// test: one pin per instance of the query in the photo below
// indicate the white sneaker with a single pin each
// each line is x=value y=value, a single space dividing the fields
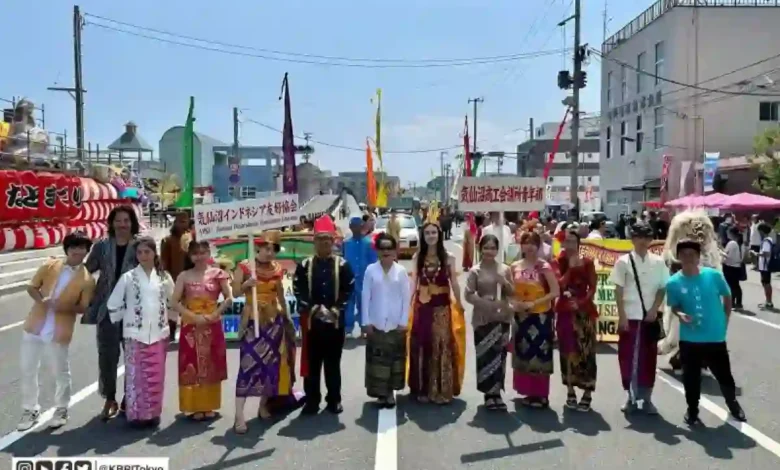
x=60 y=418
x=29 y=419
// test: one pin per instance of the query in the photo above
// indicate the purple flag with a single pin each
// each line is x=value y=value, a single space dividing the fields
x=290 y=181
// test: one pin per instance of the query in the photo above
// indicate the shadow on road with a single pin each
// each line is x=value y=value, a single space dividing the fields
x=511 y=451
x=307 y=428
x=716 y=442
x=428 y=416
x=369 y=417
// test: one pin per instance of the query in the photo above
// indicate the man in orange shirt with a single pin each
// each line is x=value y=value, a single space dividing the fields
x=61 y=289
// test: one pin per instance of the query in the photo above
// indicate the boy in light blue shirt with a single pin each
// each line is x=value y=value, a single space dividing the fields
x=701 y=298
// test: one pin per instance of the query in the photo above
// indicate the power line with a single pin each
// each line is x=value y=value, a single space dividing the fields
x=204 y=46
x=675 y=82
x=292 y=54
x=356 y=149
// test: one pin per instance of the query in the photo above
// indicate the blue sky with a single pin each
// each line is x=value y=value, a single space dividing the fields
x=149 y=82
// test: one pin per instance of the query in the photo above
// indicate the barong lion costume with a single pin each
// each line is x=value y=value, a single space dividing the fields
x=695 y=225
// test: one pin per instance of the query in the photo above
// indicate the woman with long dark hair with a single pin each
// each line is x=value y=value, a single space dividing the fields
x=437 y=337
x=490 y=318
x=140 y=302
x=202 y=348
x=112 y=257
x=576 y=322
x=536 y=286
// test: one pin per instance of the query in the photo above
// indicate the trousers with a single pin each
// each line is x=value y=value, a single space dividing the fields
x=716 y=356
x=326 y=343
x=33 y=350
x=110 y=346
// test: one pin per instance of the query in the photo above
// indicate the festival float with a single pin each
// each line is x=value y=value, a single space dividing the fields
x=41 y=201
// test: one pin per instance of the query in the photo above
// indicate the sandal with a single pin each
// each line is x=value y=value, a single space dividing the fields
x=571 y=401
x=198 y=416
x=264 y=414
x=240 y=428
x=209 y=415
x=584 y=405
x=490 y=403
x=498 y=404
x=527 y=401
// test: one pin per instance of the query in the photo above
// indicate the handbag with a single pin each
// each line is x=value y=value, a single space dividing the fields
x=655 y=330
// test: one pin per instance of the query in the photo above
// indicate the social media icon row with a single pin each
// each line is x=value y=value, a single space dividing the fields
x=54 y=464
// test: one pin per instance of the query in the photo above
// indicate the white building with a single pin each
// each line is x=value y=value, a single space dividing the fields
x=708 y=46
x=534 y=154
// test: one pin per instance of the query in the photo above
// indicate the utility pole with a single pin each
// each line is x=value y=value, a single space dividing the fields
x=441 y=164
x=307 y=149
x=476 y=101
x=77 y=92
x=234 y=161
x=235 y=133
x=575 y=121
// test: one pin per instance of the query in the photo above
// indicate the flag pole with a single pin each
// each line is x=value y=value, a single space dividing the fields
x=253 y=271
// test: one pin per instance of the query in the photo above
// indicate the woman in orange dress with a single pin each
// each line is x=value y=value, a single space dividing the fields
x=202 y=348
x=536 y=286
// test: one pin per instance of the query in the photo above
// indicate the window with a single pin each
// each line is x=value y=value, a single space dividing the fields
x=658 y=130
x=768 y=111
x=640 y=68
x=623 y=129
x=659 y=62
x=640 y=135
x=248 y=192
x=623 y=83
x=609 y=142
x=232 y=191
x=609 y=89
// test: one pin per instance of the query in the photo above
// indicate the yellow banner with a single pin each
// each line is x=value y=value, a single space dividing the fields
x=605 y=253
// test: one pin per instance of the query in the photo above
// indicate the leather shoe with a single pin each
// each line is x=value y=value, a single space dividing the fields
x=335 y=408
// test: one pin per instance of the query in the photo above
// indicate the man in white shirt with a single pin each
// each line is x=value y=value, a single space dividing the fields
x=640 y=286
x=598 y=229
x=499 y=230
x=387 y=297
x=767 y=247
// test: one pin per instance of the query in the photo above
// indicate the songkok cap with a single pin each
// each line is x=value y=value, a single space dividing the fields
x=641 y=230
x=324 y=226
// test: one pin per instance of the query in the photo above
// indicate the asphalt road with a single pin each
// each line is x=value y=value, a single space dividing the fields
x=414 y=437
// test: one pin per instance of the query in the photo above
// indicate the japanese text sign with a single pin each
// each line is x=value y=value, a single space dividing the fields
x=244 y=217
x=478 y=194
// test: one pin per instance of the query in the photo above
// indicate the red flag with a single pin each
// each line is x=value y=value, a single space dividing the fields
x=466 y=150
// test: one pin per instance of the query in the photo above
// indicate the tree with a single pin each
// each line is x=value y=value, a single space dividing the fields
x=766 y=147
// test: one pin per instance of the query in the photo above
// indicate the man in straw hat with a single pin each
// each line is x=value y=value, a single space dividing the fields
x=323 y=285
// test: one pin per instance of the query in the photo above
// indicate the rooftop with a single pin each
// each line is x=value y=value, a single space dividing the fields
x=661 y=7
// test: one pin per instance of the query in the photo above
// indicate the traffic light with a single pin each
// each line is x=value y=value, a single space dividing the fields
x=564 y=80
x=582 y=79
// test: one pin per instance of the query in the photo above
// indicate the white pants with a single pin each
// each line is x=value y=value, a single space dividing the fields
x=34 y=348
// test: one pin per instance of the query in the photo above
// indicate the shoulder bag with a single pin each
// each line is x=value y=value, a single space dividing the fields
x=653 y=331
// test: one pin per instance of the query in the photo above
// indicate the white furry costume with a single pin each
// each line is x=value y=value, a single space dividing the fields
x=694 y=225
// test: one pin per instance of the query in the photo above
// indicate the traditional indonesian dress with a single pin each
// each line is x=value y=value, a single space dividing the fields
x=202 y=348
x=533 y=333
x=267 y=362
x=437 y=337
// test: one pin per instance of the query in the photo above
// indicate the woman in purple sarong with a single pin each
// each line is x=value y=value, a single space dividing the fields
x=267 y=362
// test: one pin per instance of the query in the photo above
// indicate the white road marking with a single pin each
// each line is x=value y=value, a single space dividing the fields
x=386 y=457
x=12 y=437
x=760 y=321
x=760 y=438
x=10 y=326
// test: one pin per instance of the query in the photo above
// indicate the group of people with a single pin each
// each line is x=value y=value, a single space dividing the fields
x=414 y=323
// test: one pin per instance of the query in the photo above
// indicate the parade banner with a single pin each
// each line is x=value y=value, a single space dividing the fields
x=244 y=217
x=500 y=194
x=604 y=254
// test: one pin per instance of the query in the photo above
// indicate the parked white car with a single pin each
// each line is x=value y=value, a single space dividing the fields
x=410 y=233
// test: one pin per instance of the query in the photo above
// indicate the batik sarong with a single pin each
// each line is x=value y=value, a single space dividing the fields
x=385 y=363
x=490 y=342
x=533 y=354
x=267 y=362
x=638 y=357
x=577 y=346
x=144 y=379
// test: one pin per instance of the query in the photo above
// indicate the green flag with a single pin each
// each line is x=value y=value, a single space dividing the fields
x=186 y=200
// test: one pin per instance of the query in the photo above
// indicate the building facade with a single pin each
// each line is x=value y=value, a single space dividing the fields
x=707 y=50
x=171 y=151
x=532 y=157
x=356 y=182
